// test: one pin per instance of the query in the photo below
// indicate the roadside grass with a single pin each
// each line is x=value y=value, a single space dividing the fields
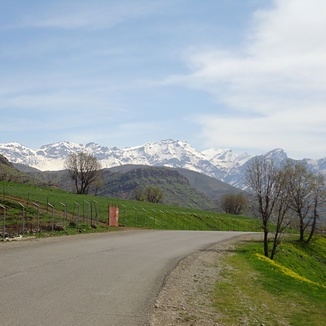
x=288 y=291
x=69 y=230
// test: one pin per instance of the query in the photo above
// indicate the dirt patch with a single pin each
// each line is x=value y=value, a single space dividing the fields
x=186 y=297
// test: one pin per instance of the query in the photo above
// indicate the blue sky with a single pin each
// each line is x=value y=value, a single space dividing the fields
x=249 y=75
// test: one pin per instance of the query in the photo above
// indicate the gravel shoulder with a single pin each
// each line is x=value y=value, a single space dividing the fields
x=186 y=296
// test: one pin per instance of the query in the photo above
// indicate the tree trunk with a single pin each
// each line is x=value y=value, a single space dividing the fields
x=302 y=228
x=313 y=228
x=266 y=243
x=314 y=217
x=275 y=244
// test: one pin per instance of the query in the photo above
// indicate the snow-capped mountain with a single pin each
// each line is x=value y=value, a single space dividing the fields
x=222 y=164
x=235 y=175
x=172 y=153
x=225 y=159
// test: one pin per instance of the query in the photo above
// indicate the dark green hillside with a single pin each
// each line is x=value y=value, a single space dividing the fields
x=211 y=187
x=58 y=179
x=176 y=188
x=9 y=173
x=126 y=168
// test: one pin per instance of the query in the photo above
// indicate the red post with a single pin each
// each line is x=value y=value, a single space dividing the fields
x=113 y=215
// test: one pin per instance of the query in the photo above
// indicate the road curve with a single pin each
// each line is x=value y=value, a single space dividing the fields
x=103 y=279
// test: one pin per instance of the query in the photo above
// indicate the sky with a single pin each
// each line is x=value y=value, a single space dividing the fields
x=249 y=75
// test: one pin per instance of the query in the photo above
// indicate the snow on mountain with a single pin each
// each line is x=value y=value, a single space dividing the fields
x=317 y=165
x=277 y=154
x=225 y=159
x=51 y=157
x=222 y=164
x=167 y=152
x=235 y=175
x=61 y=149
x=16 y=152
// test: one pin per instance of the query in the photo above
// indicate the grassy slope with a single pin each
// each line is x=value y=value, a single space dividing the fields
x=288 y=291
x=132 y=213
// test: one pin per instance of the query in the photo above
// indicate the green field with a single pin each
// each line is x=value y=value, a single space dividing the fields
x=290 y=290
x=32 y=208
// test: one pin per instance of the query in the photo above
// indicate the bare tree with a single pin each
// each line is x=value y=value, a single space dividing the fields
x=281 y=215
x=306 y=194
x=318 y=202
x=300 y=189
x=284 y=194
x=234 y=203
x=83 y=169
x=261 y=177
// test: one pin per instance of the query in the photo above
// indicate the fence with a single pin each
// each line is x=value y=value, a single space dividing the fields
x=30 y=217
x=21 y=217
x=24 y=209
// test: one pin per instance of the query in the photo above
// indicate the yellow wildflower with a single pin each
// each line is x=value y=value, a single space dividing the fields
x=288 y=271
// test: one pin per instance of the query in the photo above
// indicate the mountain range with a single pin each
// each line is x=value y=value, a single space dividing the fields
x=222 y=164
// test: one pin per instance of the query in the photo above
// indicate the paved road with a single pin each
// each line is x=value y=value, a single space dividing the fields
x=104 y=279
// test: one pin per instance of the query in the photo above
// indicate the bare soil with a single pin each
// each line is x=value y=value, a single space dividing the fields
x=186 y=298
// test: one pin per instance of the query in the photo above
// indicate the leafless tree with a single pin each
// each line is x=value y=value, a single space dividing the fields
x=318 y=202
x=282 y=217
x=261 y=177
x=284 y=194
x=300 y=189
x=307 y=195
x=83 y=169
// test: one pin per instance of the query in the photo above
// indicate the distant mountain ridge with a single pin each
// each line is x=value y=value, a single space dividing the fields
x=222 y=164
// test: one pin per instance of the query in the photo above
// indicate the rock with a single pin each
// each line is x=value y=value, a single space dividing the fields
x=58 y=228
x=72 y=224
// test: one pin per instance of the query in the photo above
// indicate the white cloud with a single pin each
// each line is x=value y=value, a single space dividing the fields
x=278 y=77
x=297 y=131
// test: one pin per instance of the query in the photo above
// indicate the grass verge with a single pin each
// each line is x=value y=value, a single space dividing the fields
x=291 y=290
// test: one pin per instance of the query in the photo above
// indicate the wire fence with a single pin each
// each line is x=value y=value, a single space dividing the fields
x=22 y=217
x=34 y=210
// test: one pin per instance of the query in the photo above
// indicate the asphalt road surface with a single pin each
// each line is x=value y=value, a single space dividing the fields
x=102 y=279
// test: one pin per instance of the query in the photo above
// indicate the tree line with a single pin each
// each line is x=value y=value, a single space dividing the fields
x=284 y=195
